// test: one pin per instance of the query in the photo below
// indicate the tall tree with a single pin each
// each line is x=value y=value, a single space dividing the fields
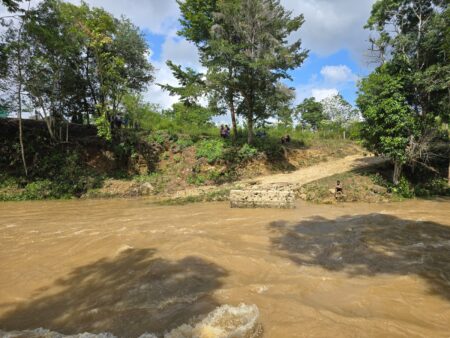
x=411 y=36
x=244 y=45
x=390 y=122
x=81 y=61
x=264 y=57
x=311 y=112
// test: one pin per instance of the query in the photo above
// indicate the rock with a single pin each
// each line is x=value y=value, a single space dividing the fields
x=257 y=196
x=377 y=189
x=146 y=188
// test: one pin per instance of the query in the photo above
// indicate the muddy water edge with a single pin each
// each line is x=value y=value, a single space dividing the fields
x=128 y=267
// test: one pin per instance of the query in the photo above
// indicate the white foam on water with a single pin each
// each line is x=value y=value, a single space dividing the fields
x=224 y=322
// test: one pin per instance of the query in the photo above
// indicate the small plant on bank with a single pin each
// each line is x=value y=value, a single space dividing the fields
x=184 y=142
x=211 y=150
x=247 y=152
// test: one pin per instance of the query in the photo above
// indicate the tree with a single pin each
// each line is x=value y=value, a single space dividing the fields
x=12 y=5
x=264 y=55
x=412 y=36
x=212 y=31
x=13 y=64
x=243 y=43
x=339 y=111
x=192 y=85
x=81 y=61
x=389 y=121
x=311 y=112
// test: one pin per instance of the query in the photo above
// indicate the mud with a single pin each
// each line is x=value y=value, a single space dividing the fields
x=128 y=268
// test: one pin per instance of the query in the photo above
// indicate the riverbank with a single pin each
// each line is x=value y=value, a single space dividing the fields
x=177 y=169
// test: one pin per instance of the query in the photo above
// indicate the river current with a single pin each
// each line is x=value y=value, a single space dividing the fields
x=130 y=268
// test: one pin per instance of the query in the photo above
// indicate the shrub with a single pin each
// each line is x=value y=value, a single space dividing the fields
x=39 y=190
x=403 y=189
x=184 y=142
x=247 y=152
x=212 y=150
x=437 y=186
x=197 y=179
x=161 y=137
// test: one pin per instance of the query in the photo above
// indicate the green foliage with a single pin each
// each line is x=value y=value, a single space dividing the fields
x=211 y=150
x=103 y=127
x=433 y=187
x=247 y=152
x=39 y=190
x=415 y=69
x=184 y=141
x=78 y=62
x=311 y=112
x=12 y=5
x=403 y=188
x=197 y=179
x=192 y=86
x=244 y=45
x=159 y=136
x=389 y=120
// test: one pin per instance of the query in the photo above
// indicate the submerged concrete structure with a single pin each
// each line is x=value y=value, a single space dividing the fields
x=278 y=195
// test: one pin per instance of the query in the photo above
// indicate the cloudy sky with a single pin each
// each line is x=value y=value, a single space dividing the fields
x=333 y=32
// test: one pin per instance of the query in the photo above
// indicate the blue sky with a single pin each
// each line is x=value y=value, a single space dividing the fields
x=333 y=32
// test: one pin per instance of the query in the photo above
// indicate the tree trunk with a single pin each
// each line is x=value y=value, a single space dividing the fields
x=233 y=119
x=19 y=97
x=249 y=128
x=397 y=172
x=448 y=177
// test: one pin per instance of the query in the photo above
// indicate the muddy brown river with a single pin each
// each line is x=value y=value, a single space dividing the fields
x=129 y=267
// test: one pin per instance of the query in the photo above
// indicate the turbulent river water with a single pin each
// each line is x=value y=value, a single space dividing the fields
x=129 y=267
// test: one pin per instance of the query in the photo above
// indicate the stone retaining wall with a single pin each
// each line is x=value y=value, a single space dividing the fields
x=273 y=196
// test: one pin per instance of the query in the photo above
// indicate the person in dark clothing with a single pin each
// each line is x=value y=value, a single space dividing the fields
x=222 y=131
x=338 y=190
x=227 y=131
x=285 y=139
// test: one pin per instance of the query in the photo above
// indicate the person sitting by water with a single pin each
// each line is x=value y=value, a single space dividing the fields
x=338 y=189
x=285 y=139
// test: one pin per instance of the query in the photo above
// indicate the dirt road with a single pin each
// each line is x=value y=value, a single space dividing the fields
x=321 y=170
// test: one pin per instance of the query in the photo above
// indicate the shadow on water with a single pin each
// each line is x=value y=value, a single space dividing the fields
x=128 y=295
x=369 y=245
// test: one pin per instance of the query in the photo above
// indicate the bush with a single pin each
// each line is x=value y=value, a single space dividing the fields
x=212 y=150
x=247 y=152
x=437 y=186
x=161 y=137
x=184 y=142
x=403 y=189
x=39 y=190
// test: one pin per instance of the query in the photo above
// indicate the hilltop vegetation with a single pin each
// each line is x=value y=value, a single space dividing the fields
x=83 y=72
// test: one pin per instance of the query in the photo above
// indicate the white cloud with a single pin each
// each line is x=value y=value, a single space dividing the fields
x=180 y=51
x=332 y=25
x=338 y=74
x=155 y=94
x=157 y=16
x=321 y=93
